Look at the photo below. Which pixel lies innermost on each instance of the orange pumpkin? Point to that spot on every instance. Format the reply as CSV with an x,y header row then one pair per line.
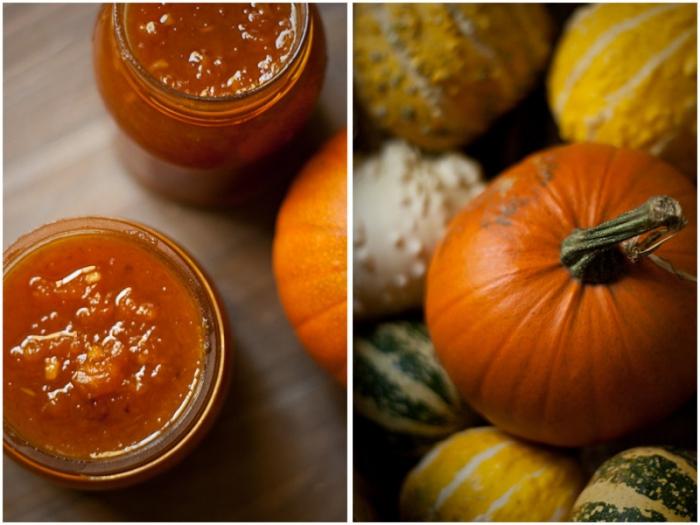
x,y
310,256
567,336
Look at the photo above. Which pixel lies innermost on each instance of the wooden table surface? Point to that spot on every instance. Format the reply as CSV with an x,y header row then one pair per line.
x,y
278,450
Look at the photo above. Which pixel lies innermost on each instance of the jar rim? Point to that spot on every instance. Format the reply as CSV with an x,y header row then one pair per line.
x,y
126,54
186,427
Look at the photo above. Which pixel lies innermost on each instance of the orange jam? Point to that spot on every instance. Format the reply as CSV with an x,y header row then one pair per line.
x,y
209,97
103,345
212,50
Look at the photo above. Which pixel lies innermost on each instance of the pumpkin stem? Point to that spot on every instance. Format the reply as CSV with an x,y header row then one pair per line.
x,y
597,255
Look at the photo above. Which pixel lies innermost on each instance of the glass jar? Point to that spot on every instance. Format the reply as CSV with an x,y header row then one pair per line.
x,y
206,150
205,396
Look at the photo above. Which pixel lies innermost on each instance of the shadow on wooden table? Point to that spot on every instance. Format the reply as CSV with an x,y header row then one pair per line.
x,y
278,449
263,210
246,468
253,465
267,180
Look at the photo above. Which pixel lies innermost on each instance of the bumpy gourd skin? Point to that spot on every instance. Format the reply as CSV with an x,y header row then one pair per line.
x,y
626,75
437,75
403,201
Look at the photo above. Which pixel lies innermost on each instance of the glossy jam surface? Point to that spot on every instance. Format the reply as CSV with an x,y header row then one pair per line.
x,y
212,50
211,151
103,345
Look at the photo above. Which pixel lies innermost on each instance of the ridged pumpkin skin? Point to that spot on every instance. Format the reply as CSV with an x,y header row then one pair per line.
x,y
626,75
642,484
483,474
536,351
310,256
439,74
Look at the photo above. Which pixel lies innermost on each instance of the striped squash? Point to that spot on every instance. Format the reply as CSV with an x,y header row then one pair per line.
x,y
400,387
483,474
642,484
625,74
438,74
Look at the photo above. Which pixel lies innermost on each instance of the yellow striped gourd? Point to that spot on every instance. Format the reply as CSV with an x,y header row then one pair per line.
x,y
625,74
483,474
642,484
439,74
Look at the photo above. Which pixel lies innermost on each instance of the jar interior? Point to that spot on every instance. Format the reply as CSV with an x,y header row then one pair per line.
x,y
190,409
300,19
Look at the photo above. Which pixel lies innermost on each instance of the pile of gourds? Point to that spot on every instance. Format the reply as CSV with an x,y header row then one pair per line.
x,y
559,296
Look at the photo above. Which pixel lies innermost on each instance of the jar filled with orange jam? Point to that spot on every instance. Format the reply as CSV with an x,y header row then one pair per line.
x,y
206,94
114,349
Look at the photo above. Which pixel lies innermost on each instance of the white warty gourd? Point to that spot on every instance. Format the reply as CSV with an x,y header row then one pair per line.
x,y
403,201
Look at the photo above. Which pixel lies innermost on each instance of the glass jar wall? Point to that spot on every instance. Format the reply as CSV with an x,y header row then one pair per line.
x,y
196,147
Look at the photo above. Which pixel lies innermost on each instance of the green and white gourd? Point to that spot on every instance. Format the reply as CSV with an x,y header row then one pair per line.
x,y
400,386
642,484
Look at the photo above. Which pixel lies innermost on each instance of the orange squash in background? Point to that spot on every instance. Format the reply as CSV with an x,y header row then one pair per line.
x,y
310,256
571,343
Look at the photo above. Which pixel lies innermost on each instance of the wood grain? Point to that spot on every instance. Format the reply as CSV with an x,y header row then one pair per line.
x,y
278,451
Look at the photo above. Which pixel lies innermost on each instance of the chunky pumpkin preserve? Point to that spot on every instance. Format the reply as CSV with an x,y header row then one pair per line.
x,y
103,345
212,50
207,94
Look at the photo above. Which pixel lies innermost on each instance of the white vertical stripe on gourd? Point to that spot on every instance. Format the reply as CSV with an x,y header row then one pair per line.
x,y
435,452
626,75
580,15
627,492
432,455
438,74
594,121
466,29
599,46
426,350
402,425
607,492
660,145
504,499
431,93
387,365
403,202
483,475
680,462
464,474
558,515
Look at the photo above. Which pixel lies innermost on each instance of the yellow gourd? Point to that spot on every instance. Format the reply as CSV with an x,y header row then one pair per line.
x,y
439,74
483,474
625,74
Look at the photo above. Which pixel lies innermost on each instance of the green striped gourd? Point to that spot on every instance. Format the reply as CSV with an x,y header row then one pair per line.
x,y
439,74
400,386
626,75
483,474
642,484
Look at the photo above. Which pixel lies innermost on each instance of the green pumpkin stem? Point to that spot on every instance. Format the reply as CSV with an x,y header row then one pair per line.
x,y
598,255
